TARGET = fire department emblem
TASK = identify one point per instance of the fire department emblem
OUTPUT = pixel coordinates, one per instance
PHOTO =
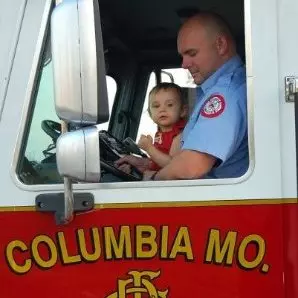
(140, 283)
(214, 106)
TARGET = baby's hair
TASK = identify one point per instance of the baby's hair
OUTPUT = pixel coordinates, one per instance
(167, 86)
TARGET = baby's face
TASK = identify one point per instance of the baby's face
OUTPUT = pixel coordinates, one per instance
(165, 108)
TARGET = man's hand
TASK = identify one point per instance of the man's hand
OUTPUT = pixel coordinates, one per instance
(126, 168)
(124, 163)
(145, 142)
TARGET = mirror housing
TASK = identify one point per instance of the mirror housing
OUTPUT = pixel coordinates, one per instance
(78, 63)
(78, 155)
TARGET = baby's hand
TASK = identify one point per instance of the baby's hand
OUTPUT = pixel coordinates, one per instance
(145, 142)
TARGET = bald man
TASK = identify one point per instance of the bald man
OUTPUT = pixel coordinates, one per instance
(214, 141)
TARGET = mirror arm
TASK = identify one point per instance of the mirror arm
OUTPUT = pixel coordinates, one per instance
(68, 192)
(68, 202)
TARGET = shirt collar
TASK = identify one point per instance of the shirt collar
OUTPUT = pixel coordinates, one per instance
(227, 67)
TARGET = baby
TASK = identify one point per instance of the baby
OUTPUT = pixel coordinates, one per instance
(168, 110)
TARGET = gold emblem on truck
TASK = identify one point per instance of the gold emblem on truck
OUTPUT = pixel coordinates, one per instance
(139, 283)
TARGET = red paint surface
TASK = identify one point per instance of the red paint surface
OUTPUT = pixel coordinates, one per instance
(276, 224)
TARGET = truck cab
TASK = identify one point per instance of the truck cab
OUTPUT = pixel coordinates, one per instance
(70, 217)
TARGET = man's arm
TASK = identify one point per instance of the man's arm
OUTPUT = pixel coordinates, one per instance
(187, 164)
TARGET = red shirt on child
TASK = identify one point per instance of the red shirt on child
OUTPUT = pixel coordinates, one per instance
(163, 141)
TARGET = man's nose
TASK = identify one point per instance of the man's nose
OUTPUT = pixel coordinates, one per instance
(185, 63)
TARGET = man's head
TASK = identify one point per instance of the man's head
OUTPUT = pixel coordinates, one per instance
(166, 105)
(205, 43)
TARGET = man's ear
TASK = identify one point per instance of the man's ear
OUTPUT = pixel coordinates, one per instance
(221, 44)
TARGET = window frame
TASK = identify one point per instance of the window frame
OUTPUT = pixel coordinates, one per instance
(142, 184)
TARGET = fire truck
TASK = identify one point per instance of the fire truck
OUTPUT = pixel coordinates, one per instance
(74, 81)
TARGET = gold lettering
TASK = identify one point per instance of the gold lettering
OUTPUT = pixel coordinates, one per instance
(95, 245)
(66, 258)
(261, 248)
(164, 242)
(218, 254)
(146, 237)
(17, 268)
(119, 250)
(49, 243)
(182, 245)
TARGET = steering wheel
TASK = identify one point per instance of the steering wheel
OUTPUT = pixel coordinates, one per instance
(52, 129)
(112, 149)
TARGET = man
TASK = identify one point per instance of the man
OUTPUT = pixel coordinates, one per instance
(214, 141)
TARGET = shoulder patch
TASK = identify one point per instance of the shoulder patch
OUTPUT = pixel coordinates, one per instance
(213, 106)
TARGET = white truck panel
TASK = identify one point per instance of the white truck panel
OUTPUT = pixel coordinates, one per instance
(19, 91)
(287, 66)
(11, 17)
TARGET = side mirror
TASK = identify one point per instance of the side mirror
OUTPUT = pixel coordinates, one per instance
(78, 155)
(80, 91)
(78, 63)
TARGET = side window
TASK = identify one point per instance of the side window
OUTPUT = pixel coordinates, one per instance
(37, 163)
(112, 89)
(147, 126)
(178, 76)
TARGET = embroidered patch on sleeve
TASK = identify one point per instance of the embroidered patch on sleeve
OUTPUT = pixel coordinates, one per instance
(213, 106)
